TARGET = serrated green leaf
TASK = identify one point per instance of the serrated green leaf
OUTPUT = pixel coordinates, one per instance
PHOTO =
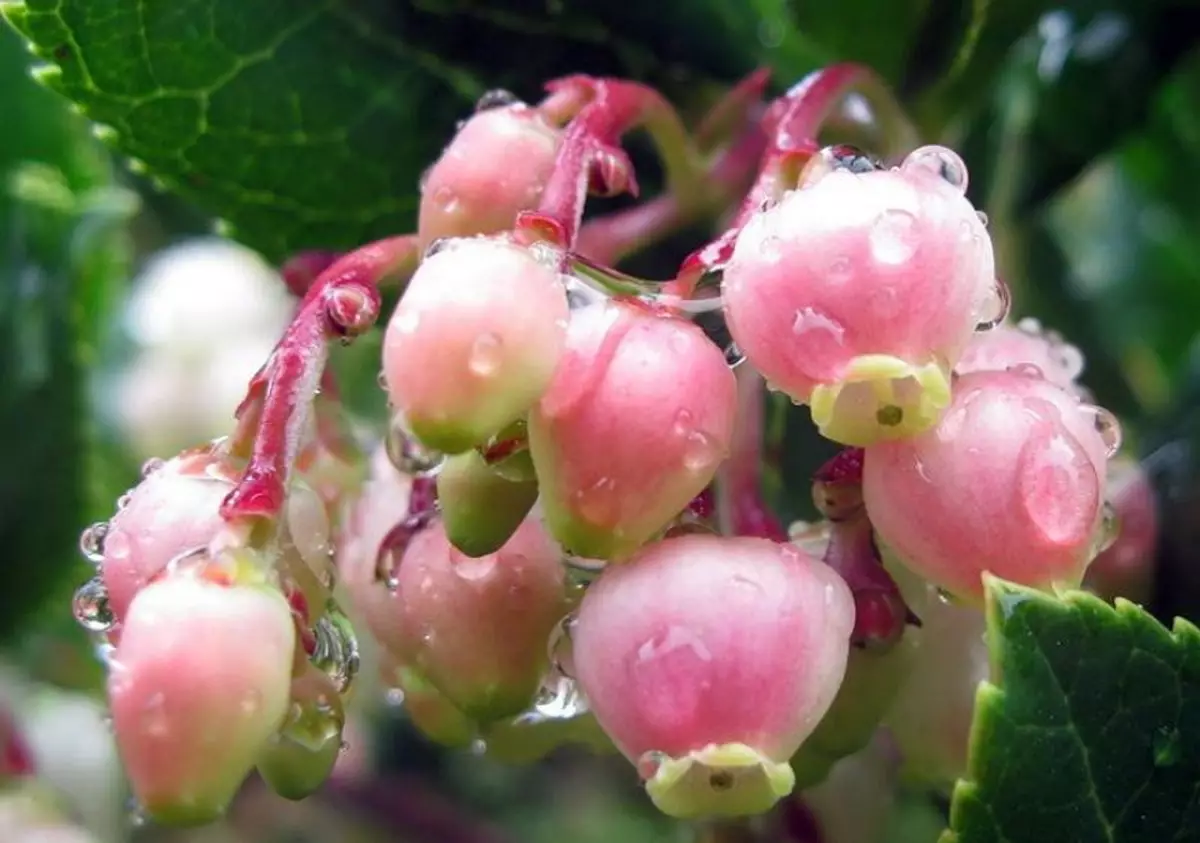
(1092, 734)
(307, 123)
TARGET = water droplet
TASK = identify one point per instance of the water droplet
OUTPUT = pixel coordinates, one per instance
(941, 162)
(496, 98)
(734, 356)
(944, 596)
(1028, 370)
(558, 699)
(445, 200)
(649, 762)
(1107, 426)
(124, 500)
(770, 249)
(336, 652)
(473, 568)
(995, 306)
(439, 245)
(487, 353)
(394, 697)
(840, 270)
(313, 724)
(407, 453)
(560, 646)
(701, 451)
(152, 465)
(983, 218)
(137, 814)
(92, 540)
(808, 320)
(90, 606)
(674, 639)
(893, 237)
(478, 747)
(1108, 530)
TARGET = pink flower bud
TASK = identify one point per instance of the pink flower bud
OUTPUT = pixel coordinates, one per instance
(496, 166)
(708, 661)
(1010, 481)
(1024, 344)
(198, 684)
(931, 717)
(474, 341)
(173, 513)
(637, 420)
(475, 628)
(857, 293)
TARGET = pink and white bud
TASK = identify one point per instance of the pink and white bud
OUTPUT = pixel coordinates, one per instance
(174, 512)
(474, 341)
(196, 687)
(475, 628)
(1010, 481)
(496, 166)
(1025, 344)
(633, 427)
(708, 661)
(857, 293)
(930, 719)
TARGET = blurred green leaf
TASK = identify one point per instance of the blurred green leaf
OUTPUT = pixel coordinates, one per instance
(1093, 733)
(62, 256)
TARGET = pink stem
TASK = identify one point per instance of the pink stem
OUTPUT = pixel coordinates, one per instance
(341, 304)
(590, 158)
(881, 614)
(793, 124)
(742, 510)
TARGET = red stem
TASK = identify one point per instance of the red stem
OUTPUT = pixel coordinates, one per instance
(792, 124)
(590, 158)
(342, 303)
(743, 510)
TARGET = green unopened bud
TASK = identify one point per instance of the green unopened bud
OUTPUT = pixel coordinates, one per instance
(300, 756)
(480, 508)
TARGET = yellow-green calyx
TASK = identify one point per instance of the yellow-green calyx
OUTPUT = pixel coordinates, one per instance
(726, 780)
(879, 398)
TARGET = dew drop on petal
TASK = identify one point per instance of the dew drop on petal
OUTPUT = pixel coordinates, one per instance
(734, 356)
(994, 308)
(1107, 426)
(941, 162)
(1108, 530)
(560, 647)
(486, 355)
(559, 698)
(808, 319)
(336, 652)
(648, 764)
(1028, 370)
(473, 568)
(407, 453)
(91, 607)
(983, 218)
(124, 500)
(152, 465)
(394, 697)
(893, 236)
(496, 98)
(92, 542)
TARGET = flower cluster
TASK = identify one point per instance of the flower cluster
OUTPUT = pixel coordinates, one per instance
(560, 537)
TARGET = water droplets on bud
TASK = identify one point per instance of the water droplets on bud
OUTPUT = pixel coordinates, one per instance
(446, 201)
(496, 98)
(734, 356)
(559, 698)
(941, 162)
(407, 453)
(994, 308)
(473, 568)
(91, 607)
(313, 724)
(394, 697)
(983, 218)
(124, 500)
(478, 747)
(336, 652)
(1028, 370)
(91, 542)
(487, 353)
(1108, 530)
(441, 244)
(560, 647)
(649, 762)
(1107, 426)
(152, 465)
(894, 236)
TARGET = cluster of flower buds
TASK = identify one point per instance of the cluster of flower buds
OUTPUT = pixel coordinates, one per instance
(560, 538)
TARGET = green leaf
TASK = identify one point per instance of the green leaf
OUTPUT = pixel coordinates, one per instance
(63, 253)
(307, 123)
(1093, 733)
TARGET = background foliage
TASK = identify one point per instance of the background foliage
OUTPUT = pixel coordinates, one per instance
(307, 123)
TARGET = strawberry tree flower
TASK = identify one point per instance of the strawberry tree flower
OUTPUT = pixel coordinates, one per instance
(709, 660)
(1010, 481)
(857, 293)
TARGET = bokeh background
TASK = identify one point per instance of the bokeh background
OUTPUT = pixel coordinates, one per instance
(128, 330)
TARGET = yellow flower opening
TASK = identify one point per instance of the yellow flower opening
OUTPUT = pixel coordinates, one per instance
(729, 780)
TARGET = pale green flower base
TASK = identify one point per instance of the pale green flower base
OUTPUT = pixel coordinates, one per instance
(879, 398)
(730, 780)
